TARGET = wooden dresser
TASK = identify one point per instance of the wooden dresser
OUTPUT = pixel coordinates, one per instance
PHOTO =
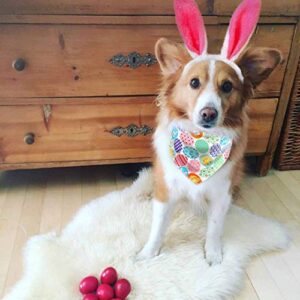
(78, 78)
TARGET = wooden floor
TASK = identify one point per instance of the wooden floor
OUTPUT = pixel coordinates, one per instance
(38, 201)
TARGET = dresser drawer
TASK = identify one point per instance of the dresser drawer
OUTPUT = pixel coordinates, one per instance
(98, 130)
(76, 60)
(136, 7)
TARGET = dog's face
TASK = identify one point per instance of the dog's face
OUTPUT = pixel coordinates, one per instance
(208, 92)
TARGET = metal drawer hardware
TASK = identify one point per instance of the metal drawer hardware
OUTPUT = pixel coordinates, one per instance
(131, 130)
(19, 64)
(133, 60)
(29, 138)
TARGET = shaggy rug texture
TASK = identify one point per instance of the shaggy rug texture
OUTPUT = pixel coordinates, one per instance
(110, 230)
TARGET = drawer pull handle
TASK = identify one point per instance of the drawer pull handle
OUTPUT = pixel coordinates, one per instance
(19, 64)
(133, 60)
(29, 138)
(132, 130)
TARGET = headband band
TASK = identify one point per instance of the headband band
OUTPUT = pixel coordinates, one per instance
(217, 57)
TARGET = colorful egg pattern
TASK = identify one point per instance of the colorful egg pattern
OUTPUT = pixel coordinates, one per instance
(174, 133)
(180, 160)
(184, 170)
(187, 139)
(224, 140)
(199, 155)
(197, 135)
(194, 166)
(195, 178)
(206, 160)
(190, 152)
(226, 153)
(171, 151)
(202, 146)
(215, 150)
(177, 145)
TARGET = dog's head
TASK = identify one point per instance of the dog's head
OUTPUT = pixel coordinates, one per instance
(210, 91)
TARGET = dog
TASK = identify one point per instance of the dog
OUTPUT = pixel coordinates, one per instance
(201, 133)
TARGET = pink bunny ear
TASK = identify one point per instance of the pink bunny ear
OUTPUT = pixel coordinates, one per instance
(241, 27)
(191, 26)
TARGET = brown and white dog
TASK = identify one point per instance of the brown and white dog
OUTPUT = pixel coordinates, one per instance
(208, 94)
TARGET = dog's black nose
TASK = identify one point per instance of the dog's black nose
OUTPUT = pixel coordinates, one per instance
(208, 114)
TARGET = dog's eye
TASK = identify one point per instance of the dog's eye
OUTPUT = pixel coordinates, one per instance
(226, 87)
(195, 83)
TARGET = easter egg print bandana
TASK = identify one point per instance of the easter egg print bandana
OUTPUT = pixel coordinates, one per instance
(199, 155)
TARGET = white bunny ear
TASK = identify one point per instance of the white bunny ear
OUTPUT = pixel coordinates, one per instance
(191, 26)
(241, 28)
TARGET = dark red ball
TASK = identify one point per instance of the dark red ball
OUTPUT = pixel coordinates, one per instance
(122, 288)
(109, 276)
(88, 285)
(105, 292)
(90, 297)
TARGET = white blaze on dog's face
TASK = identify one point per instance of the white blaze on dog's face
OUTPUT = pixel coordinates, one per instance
(207, 91)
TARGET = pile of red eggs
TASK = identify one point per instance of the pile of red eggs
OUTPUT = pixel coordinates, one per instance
(109, 287)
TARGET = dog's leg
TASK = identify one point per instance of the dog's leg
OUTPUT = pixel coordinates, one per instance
(217, 210)
(161, 216)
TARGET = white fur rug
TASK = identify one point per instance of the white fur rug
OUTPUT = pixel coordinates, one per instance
(110, 230)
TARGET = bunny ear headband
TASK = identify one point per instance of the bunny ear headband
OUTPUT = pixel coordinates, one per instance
(242, 24)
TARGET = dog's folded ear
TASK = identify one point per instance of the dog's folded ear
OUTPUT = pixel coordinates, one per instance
(258, 63)
(170, 55)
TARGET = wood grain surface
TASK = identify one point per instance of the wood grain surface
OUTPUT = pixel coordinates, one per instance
(73, 60)
(136, 7)
(82, 132)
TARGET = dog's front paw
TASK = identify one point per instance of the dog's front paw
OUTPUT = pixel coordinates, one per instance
(213, 255)
(146, 253)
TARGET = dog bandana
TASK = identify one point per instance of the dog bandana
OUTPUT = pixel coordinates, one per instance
(199, 155)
